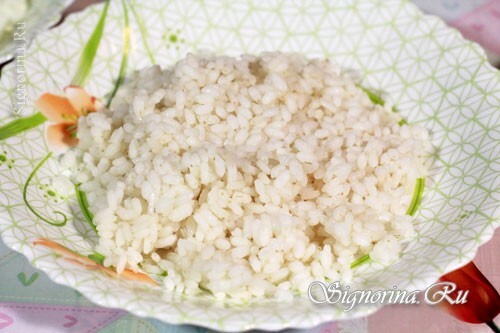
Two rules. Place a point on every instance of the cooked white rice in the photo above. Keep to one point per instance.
(248, 177)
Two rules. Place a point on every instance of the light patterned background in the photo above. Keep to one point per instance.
(29, 299)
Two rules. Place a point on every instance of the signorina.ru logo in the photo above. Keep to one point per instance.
(321, 293)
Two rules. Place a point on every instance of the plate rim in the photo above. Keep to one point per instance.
(486, 235)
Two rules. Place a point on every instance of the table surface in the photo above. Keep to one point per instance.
(30, 302)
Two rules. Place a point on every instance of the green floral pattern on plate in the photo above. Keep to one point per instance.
(435, 78)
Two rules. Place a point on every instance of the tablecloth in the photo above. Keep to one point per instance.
(31, 302)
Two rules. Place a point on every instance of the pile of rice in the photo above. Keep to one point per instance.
(248, 177)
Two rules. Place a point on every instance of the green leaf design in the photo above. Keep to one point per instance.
(402, 122)
(417, 197)
(81, 197)
(25, 281)
(126, 50)
(360, 261)
(412, 209)
(56, 223)
(97, 257)
(90, 50)
(86, 60)
(376, 99)
(21, 124)
(143, 32)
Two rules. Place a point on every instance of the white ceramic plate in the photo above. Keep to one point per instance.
(433, 76)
